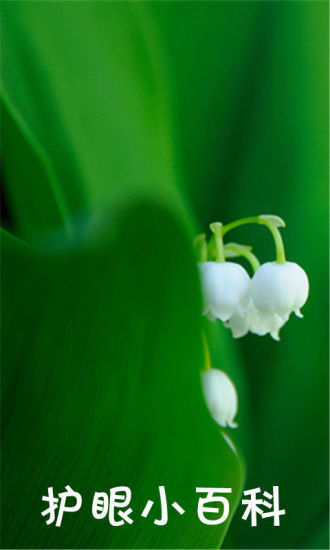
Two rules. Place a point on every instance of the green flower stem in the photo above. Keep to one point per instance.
(245, 253)
(200, 246)
(279, 246)
(216, 228)
(207, 355)
(280, 252)
(237, 223)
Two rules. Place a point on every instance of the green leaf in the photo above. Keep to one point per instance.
(35, 197)
(100, 109)
(101, 387)
(320, 537)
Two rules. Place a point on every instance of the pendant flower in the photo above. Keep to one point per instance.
(280, 288)
(226, 288)
(220, 396)
(261, 305)
(256, 322)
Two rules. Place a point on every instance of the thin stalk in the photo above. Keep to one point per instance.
(216, 228)
(245, 253)
(279, 246)
(207, 355)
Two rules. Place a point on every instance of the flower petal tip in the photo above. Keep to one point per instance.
(232, 425)
(275, 336)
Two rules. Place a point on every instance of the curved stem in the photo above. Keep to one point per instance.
(245, 253)
(216, 228)
(280, 252)
(237, 223)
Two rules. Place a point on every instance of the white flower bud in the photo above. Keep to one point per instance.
(280, 288)
(255, 322)
(226, 287)
(220, 396)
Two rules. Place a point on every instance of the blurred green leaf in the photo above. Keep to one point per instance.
(34, 195)
(320, 536)
(101, 387)
(100, 109)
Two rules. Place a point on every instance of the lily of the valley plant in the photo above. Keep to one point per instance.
(261, 304)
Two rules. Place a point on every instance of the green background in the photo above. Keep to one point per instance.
(127, 127)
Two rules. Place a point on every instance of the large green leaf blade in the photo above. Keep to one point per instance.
(101, 361)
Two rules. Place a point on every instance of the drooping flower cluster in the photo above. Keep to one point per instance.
(261, 304)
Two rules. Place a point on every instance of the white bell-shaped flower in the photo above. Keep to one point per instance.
(220, 396)
(280, 288)
(255, 322)
(226, 287)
